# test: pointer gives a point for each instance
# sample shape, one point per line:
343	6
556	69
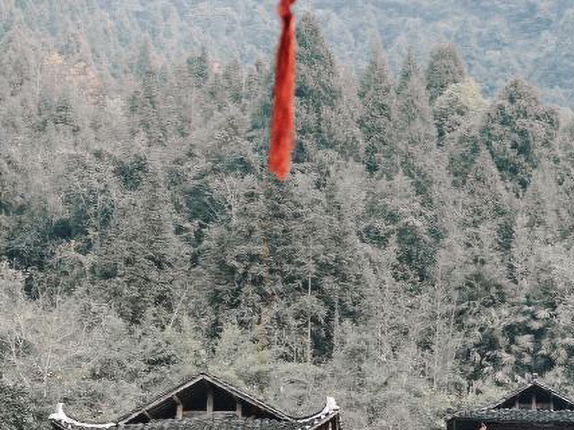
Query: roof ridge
213	379
522	388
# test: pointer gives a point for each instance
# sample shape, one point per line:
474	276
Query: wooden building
533	406
206	403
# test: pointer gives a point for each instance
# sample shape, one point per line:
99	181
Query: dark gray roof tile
203	424
215	424
518	415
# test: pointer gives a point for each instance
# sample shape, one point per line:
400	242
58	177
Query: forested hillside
499	40
419	258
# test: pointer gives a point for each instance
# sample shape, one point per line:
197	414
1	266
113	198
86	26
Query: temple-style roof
518	415
536	387
189	384
205	402
61	422
531	404
200	424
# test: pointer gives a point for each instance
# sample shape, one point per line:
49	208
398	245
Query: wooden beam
534	399
551	401
238	408
147	414
209	399
179	411
162	399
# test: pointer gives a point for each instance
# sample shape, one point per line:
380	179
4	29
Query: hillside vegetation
418	259
530	39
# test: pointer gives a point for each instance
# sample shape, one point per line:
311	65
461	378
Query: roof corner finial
331	405
534	377
59	415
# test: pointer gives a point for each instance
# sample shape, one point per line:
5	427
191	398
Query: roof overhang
213	380
523	388
60	421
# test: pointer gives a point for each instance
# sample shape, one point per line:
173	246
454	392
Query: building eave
215	381
61	421
525	387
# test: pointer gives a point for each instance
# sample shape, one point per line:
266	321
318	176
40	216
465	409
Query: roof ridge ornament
330	408
331	405
61	417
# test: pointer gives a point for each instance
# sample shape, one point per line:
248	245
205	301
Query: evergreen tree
317	92
140	260
198	67
445	68
414	125
456	112
146	104
518	132
414	114
377	115
143	240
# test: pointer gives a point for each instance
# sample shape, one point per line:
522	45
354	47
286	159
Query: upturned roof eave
306	425
308	422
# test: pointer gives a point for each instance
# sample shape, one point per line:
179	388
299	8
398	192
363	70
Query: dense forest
418	259
499	40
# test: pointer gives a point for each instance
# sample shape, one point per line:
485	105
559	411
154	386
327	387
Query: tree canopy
417	260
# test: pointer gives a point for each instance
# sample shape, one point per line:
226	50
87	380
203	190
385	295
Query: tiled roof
206	424
61	421
202	424
526	387
214	380
518	415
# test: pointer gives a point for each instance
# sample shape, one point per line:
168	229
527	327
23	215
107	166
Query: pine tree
145	103
318	92
198	67
377	115
518	132
414	114
457	111
140	261
445	68
317	75
420	159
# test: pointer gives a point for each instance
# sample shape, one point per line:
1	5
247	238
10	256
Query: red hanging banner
282	123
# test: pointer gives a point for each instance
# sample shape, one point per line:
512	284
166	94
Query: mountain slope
526	38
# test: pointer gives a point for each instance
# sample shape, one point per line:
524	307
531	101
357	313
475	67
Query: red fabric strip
282	123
